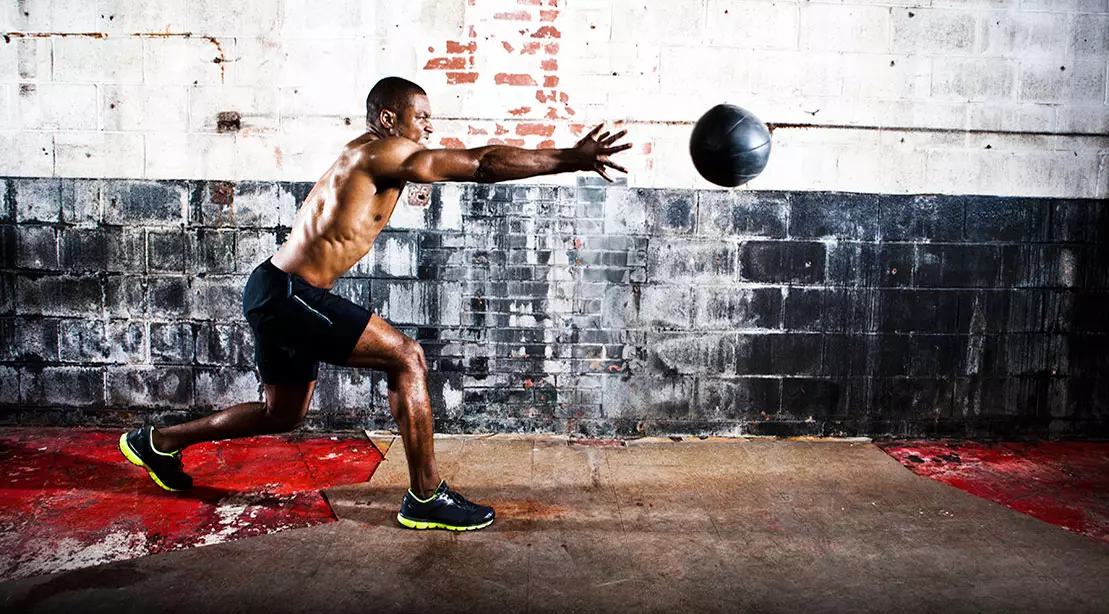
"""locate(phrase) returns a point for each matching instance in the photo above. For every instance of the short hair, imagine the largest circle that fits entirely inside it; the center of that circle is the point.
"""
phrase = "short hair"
(393, 93)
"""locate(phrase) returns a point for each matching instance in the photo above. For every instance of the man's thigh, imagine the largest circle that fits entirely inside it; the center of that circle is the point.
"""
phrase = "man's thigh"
(380, 346)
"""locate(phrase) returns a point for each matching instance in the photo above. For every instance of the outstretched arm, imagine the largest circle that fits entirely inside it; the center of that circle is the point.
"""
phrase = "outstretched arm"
(500, 162)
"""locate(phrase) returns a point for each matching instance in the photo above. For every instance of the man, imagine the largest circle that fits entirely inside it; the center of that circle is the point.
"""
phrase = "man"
(297, 322)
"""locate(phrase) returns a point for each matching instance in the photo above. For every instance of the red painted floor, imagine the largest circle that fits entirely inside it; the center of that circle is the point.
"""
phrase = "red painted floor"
(68, 499)
(1066, 484)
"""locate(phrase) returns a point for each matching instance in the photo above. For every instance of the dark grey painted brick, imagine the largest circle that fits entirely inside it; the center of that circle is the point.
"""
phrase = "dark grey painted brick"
(920, 217)
(80, 199)
(169, 297)
(9, 245)
(742, 213)
(94, 341)
(730, 307)
(62, 386)
(59, 296)
(172, 342)
(992, 219)
(833, 214)
(145, 202)
(150, 387)
(116, 250)
(125, 296)
(168, 251)
(224, 344)
(216, 251)
(36, 200)
(37, 248)
(782, 262)
(733, 399)
(958, 266)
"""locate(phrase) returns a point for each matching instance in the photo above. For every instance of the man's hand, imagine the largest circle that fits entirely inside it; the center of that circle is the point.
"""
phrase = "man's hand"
(595, 151)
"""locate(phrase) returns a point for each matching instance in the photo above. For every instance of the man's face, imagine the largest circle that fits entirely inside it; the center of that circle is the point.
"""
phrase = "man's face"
(415, 122)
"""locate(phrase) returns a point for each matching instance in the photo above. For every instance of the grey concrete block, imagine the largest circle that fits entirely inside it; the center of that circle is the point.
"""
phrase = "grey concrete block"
(168, 251)
(37, 247)
(7, 293)
(396, 255)
(29, 340)
(172, 342)
(648, 211)
(736, 399)
(215, 251)
(252, 248)
(661, 307)
(59, 296)
(7, 202)
(150, 387)
(686, 261)
(917, 30)
(741, 213)
(220, 388)
(419, 303)
(62, 386)
(1065, 82)
(695, 353)
(80, 200)
(9, 245)
(9, 385)
(730, 308)
(125, 296)
(341, 389)
(224, 344)
(217, 298)
(145, 202)
(36, 200)
(114, 250)
(169, 297)
(641, 398)
(96, 341)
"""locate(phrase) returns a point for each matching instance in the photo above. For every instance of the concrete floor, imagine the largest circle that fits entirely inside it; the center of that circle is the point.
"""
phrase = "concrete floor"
(715, 526)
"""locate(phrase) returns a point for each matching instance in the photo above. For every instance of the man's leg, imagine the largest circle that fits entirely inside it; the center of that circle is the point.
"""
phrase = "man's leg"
(284, 410)
(382, 347)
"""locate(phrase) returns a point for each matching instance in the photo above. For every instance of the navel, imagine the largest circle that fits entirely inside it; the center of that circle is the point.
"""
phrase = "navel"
(377, 218)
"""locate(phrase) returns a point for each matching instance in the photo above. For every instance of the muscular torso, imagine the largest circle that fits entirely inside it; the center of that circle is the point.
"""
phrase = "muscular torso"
(340, 218)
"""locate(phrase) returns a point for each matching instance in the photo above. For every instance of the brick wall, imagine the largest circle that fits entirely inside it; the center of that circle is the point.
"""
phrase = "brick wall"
(582, 309)
(868, 95)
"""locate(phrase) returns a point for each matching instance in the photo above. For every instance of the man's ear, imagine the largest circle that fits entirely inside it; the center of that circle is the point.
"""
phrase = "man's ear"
(388, 119)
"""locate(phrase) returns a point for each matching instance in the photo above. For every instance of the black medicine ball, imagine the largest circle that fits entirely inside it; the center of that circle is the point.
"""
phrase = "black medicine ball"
(729, 146)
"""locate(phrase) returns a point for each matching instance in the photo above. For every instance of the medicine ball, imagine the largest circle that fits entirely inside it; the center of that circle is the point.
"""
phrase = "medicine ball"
(729, 145)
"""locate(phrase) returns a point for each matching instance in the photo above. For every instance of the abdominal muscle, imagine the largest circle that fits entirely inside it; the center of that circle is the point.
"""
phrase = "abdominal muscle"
(336, 225)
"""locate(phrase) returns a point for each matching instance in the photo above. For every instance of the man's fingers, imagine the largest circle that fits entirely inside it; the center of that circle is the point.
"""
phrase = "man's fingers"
(616, 166)
(618, 148)
(612, 139)
(589, 135)
(602, 173)
(601, 139)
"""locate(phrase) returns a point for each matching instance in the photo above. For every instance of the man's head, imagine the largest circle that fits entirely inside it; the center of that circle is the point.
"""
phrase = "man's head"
(399, 107)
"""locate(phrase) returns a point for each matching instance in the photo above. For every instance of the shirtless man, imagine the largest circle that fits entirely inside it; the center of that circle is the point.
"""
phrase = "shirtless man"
(297, 322)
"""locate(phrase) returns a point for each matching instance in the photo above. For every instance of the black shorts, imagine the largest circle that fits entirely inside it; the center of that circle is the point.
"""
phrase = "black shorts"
(296, 325)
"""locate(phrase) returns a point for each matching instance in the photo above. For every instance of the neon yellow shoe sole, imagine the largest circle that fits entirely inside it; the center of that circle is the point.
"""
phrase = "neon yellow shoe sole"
(421, 525)
(130, 455)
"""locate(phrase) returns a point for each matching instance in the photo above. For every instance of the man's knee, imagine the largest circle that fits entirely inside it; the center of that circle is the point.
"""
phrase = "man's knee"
(284, 419)
(412, 357)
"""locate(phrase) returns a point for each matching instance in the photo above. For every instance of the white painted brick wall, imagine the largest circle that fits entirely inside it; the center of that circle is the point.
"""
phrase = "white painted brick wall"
(132, 88)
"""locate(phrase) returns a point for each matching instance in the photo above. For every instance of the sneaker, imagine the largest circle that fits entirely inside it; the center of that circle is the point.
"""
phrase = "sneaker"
(445, 509)
(164, 468)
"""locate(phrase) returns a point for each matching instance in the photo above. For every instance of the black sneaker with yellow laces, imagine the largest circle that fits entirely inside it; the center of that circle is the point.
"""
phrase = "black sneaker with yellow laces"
(164, 467)
(445, 509)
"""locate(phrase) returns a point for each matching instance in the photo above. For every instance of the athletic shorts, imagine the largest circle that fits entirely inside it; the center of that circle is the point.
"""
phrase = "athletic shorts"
(296, 325)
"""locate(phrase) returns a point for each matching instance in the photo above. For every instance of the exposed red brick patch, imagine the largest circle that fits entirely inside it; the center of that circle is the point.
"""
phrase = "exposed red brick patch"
(541, 96)
(503, 78)
(456, 47)
(454, 78)
(452, 143)
(520, 111)
(501, 130)
(576, 129)
(548, 15)
(550, 81)
(445, 64)
(549, 64)
(547, 144)
(552, 113)
(513, 16)
(547, 32)
(473, 32)
(550, 48)
(473, 130)
(507, 47)
(535, 129)
(530, 2)
(515, 142)
(563, 97)
(530, 48)
(647, 148)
